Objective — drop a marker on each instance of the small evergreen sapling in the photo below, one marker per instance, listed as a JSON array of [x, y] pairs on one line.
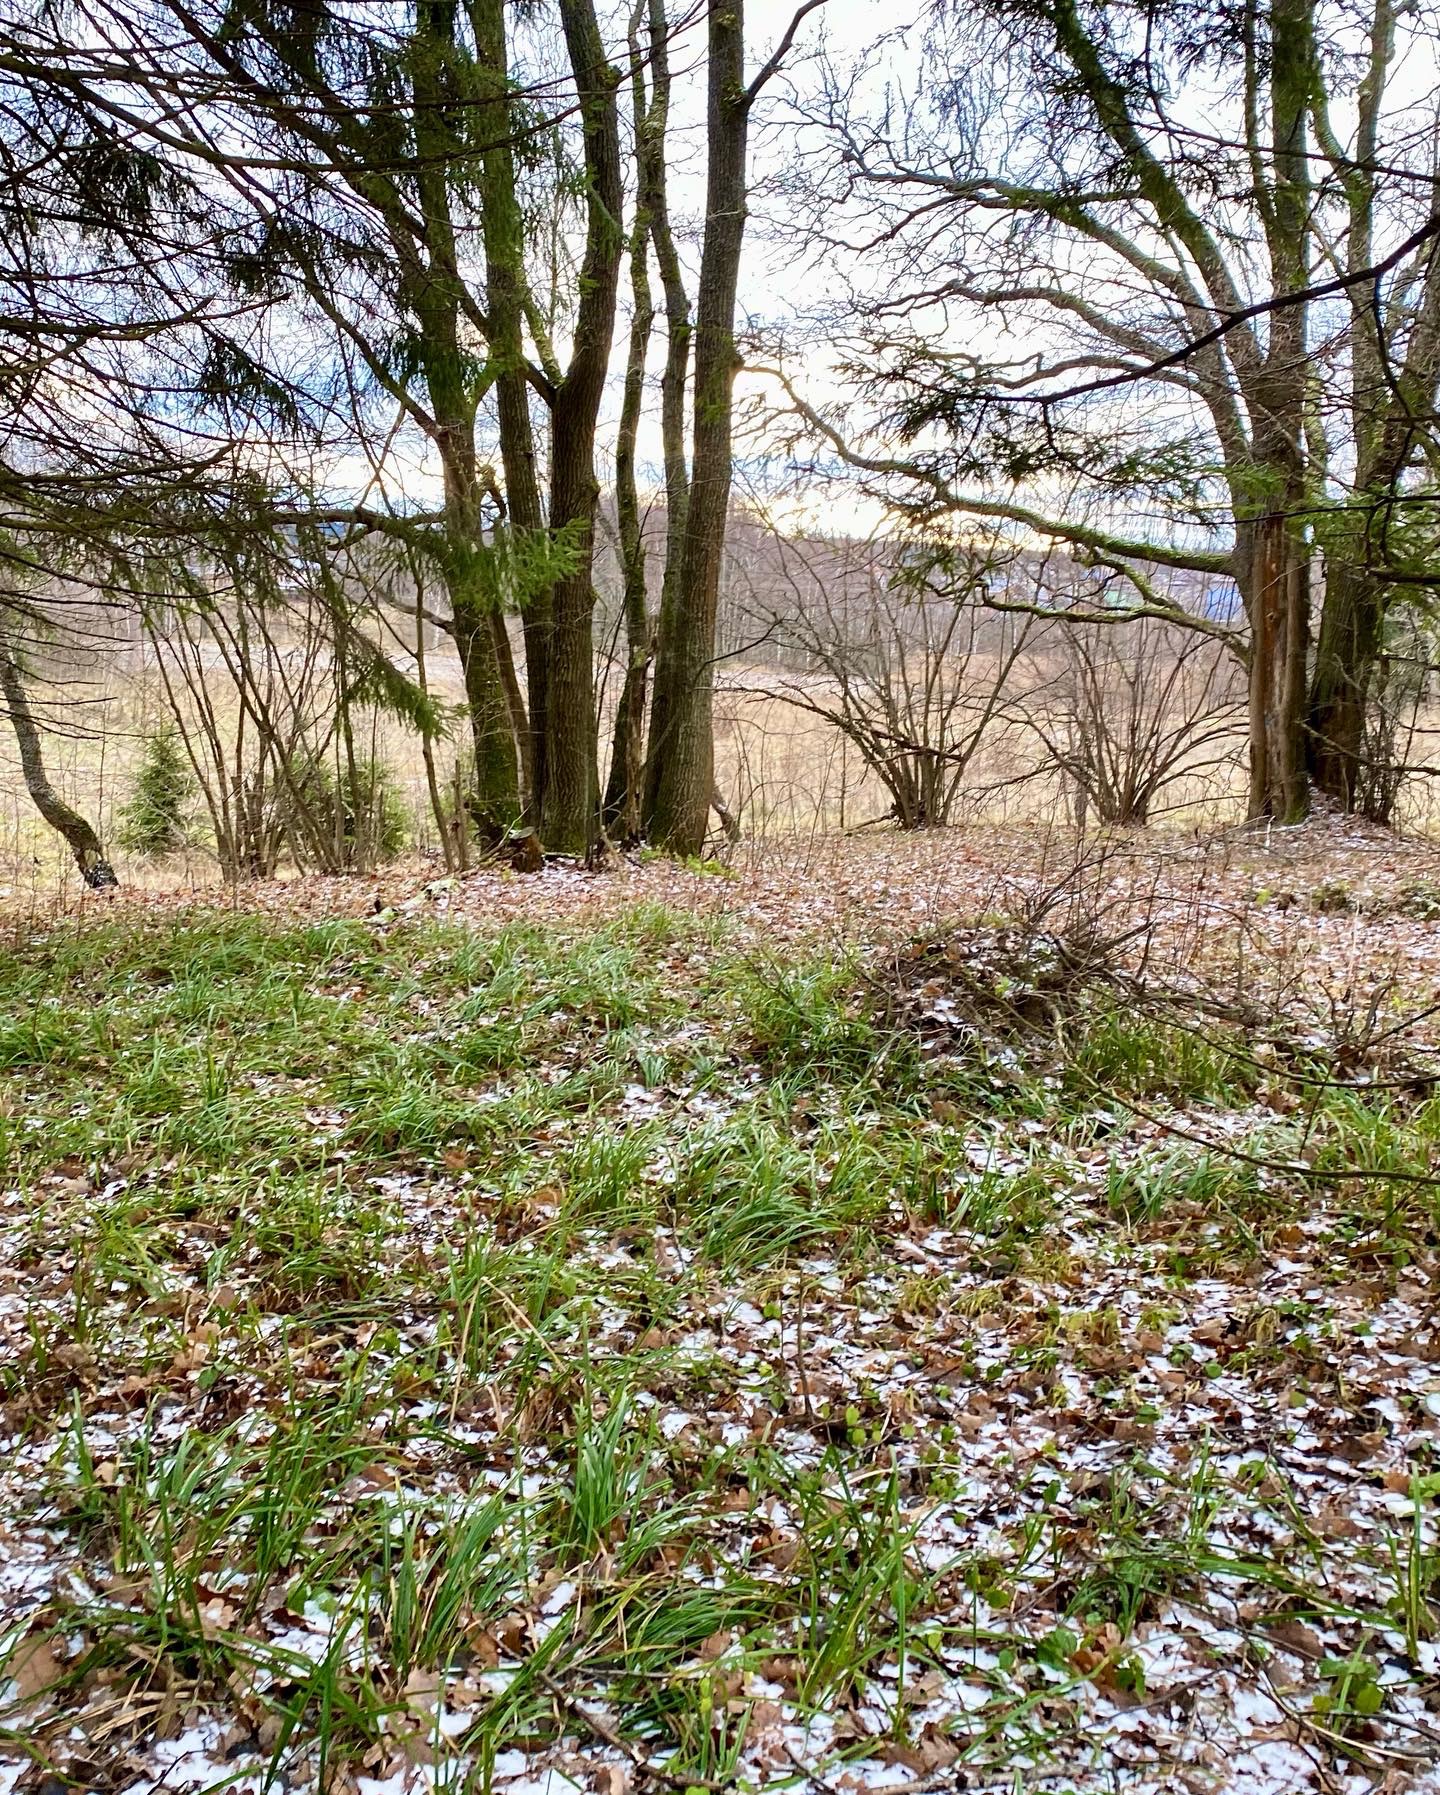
[[157, 821]]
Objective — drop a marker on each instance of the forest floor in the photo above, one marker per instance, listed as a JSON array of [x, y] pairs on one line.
[[956, 1314]]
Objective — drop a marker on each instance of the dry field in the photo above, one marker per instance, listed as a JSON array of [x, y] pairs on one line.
[[788, 774]]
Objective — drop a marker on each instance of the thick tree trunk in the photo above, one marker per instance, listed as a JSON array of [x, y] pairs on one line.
[[504, 236], [681, 780], [569, 792], [81, 839], [436, 296], [1351, 631], [569, 799], [1276, 588], [1276, 581]]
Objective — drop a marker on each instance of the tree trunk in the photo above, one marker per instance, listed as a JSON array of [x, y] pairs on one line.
[[81, 839], [679, 335], [502, 227], [436, 298], [1276, 590], [626, 785], [1276, 585], [1351, 631], [1389, 391], [569, 793], [623, 789], [681, 779], [495, 802], [443, 824]]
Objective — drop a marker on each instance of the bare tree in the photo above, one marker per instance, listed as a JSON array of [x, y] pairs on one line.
[[1090, 310]]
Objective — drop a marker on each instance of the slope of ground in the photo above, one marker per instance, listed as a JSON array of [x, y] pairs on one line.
[[943, 1316]]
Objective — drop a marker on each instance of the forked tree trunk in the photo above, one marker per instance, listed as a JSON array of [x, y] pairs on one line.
[[81, 839]]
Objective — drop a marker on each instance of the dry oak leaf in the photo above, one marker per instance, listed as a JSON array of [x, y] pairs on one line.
[[34, 1668]]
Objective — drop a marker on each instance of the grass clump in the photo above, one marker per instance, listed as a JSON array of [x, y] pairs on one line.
[[808, 1020]]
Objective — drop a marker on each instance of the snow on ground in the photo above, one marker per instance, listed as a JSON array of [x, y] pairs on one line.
[[1138, 1493]]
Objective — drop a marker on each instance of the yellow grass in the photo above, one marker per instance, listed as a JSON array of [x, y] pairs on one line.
[[787, 773]]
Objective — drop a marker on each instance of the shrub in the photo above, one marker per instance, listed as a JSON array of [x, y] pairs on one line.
[[375, 810], [373, 820], [157, 819]]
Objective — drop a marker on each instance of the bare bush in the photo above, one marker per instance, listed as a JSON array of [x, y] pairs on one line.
[[913, 679], [276, 693], [1127, 712]]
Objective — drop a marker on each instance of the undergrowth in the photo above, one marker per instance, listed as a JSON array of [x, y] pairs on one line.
[[380, 1294]]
